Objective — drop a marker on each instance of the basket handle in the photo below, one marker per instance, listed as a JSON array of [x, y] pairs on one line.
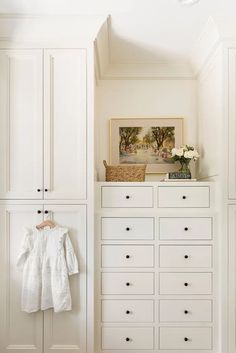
[[105, 163]]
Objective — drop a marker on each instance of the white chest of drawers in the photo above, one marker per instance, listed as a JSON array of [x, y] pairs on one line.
[[156, 256]]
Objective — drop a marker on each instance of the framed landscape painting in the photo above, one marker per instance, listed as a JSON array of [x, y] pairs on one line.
[[145, 141]]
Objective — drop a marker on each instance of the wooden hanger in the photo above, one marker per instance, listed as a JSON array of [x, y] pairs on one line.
[[47, 223]]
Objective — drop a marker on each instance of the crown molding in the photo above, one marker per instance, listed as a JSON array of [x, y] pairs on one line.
[[148, 71]]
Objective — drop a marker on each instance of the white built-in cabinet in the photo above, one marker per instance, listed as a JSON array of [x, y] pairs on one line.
[[41, 331], [232, 123], [231, 191], [43, 124], [232, 277], [43, 153], [157, 281]]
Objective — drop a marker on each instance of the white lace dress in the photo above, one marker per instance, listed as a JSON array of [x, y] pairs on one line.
[[47, 258]]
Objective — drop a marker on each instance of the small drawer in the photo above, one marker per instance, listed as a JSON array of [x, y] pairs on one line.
[[185, 283], [185, 256], [182, 228], [127, 256], [127, 196], [127, 338], [127, 283], [129, 311], [185, 338], [127, 228], [183, 196], [185, 311]]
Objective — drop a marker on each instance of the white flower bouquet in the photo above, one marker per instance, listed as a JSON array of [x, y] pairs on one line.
[[184, 155]]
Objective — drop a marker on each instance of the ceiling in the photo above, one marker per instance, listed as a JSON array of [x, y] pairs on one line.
[[141, 31]]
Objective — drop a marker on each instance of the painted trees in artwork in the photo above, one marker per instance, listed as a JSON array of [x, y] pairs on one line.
[[145, 143], [129, 136], [161, 134]]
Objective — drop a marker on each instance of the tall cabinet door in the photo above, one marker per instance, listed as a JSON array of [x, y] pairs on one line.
[[65, 124], [232, 123], [66, 331], [232, 278], [21, 124], [19, 331]]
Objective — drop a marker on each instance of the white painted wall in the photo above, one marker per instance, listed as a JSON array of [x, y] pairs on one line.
[[143, 98]]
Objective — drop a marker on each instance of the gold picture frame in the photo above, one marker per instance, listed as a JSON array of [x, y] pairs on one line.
[[145, 141]]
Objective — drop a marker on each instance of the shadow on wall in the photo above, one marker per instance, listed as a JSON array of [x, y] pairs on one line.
[[127, 51]]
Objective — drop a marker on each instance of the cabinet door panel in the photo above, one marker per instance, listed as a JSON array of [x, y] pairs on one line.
[[21, 124], [19, 331], [232, 278], [65, 123], [67, 331], [232, 123]]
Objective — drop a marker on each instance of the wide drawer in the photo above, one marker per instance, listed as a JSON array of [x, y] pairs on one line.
[[185, 256], [127, 228], [127, 196], [127, 338], [127, 311], [185, 283], [185, 311], [183, 196], [199, 228], [185, 338], [127, 256], [127, 283]]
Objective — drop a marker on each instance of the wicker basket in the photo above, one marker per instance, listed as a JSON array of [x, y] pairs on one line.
[[125, 172]]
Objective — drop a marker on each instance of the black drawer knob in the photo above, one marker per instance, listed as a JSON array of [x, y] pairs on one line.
[[127, 339], [184, 197], [46, 190], [186, 229], [127, 284], [38, 190], [128, 197], [128, 229], [186, 256], [127, 256], [186, 339], [39, 211], [186, 312], [127, 312], [186, 284], [46, 211]]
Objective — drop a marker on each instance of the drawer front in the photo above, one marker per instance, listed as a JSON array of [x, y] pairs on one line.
[[127, 283], [186, 283], [183, 228], [127, 196], [185, 311], [127, 256], [185, 256], [127, 338], [127, 311], [127, 228], [183, 196], [185, 338]]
